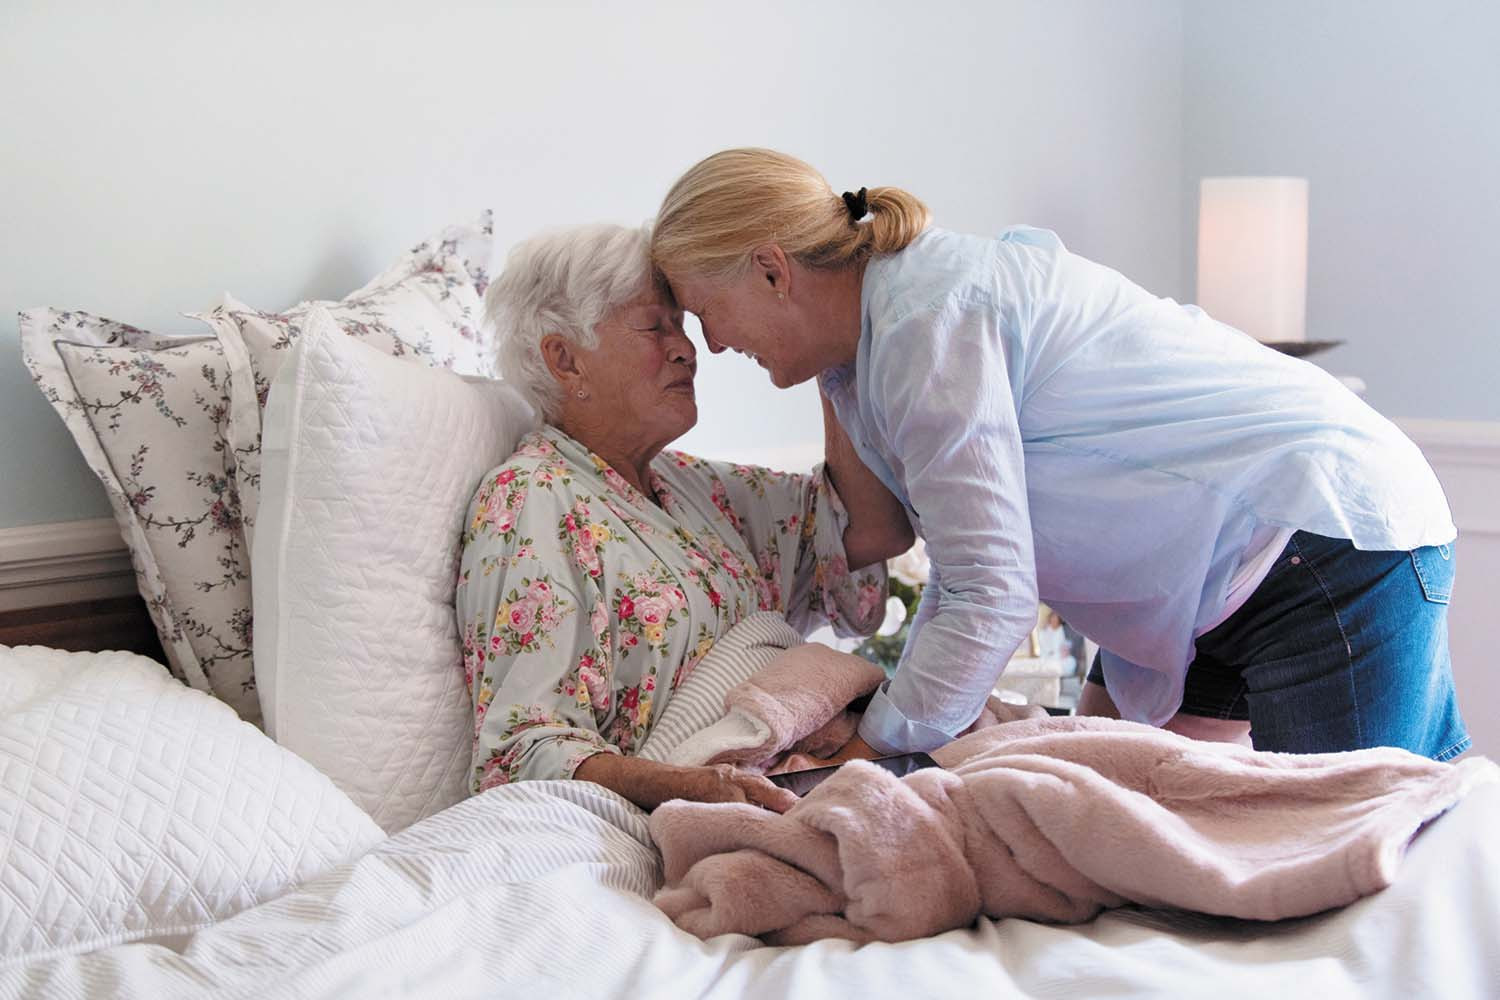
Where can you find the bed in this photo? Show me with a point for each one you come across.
(193, 857)
(541, 889)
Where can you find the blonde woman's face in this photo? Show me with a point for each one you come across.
(745, 315)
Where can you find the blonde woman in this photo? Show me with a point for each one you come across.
(1240, 534)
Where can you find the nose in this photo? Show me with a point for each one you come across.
(714, 347)
(681, 350)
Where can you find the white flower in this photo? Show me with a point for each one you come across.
(895, 616)
(912, 567)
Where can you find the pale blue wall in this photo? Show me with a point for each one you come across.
(1391, 108)
(158, 154)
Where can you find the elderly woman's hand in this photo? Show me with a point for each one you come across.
(727, 783)
(649, 783)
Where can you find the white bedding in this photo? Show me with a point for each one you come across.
(540, 888)
(131, 804)
(543, 889)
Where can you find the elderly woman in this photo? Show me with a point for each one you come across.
(599, 569)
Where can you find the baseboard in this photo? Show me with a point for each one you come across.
(44, 565)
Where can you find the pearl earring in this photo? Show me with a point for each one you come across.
(781, 296)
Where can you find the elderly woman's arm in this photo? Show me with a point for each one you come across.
(878, 527)
(536, 633)
(649, 783)
(536, 665)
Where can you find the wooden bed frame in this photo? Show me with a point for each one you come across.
(91, 625)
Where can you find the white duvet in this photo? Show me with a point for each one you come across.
(130, 804)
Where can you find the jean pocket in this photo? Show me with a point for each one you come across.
(1434, 566)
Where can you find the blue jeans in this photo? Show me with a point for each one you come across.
(1337, 649)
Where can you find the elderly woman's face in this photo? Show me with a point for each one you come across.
(641, 374)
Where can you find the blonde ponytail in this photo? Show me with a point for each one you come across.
(897, 218)
(736, 200)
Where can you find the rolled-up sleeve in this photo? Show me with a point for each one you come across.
(941, 383)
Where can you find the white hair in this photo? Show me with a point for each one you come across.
(562, 281)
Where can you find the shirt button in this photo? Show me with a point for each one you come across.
(1296, 560)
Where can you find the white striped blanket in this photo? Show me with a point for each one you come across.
(698, 703)
(519, 887)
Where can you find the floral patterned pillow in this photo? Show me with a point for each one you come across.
(427, 307)
(150, 414)
(171, 426)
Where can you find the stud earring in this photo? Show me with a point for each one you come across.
(781, 296)
(583, 394)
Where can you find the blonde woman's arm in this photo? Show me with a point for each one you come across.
(878, 528)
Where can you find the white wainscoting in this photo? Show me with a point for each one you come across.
(1466, 457)
(45, 564)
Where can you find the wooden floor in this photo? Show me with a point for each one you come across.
(110, 623)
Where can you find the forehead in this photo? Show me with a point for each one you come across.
(654, 291)
(693, 292)
(649, 304)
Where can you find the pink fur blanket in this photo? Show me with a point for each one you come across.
(1049, 819)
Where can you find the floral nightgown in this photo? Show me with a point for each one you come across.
(583, 605)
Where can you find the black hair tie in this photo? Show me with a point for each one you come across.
(857, 204)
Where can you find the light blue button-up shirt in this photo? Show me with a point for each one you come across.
(1056, 431)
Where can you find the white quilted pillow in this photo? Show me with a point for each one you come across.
(132, 806)
(368, 466)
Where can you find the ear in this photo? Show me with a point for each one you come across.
(562, 359)
(769, 264)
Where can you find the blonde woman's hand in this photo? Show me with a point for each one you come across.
(855, 749)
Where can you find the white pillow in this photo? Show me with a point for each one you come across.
(368, 466)
(132, 806)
